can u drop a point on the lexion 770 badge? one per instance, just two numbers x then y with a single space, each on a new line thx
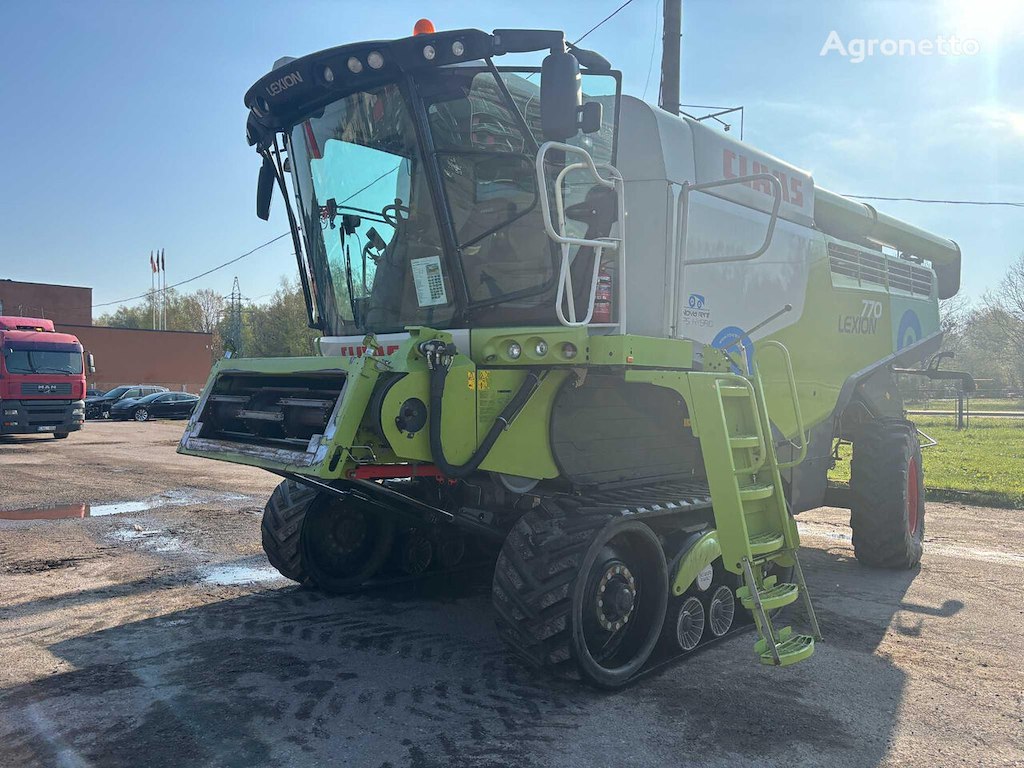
866 323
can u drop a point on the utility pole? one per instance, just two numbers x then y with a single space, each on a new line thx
233 342
672 31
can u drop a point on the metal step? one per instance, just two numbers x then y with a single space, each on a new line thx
745 441
772 598
766 543
791 648
757 492
733 391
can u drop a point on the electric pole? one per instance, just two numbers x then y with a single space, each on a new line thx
233 342
672 31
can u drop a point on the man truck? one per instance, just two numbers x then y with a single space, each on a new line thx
42 378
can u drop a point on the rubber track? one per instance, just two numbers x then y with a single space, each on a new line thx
536 574
534 579
878 481
282 527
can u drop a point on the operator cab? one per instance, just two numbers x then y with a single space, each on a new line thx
413 164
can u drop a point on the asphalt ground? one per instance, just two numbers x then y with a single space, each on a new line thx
152 632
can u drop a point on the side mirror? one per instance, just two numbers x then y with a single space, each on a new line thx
591 116
561 95
265 188
90 362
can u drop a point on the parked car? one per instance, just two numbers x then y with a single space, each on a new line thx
160 405
99 407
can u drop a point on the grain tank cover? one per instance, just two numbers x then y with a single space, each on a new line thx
720 157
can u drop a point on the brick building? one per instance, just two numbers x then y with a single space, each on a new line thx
177 360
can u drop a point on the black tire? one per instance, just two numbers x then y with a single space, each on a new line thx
281 528
544 577
60 435
887 494
344 543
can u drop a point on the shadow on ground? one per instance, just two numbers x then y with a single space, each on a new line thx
415 676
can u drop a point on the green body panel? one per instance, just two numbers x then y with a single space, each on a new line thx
698 557
845 327
524 448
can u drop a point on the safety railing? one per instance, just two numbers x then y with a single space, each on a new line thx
555 229
794 394
683 217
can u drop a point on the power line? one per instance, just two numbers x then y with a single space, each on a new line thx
597 26
196 277
943 202
654 48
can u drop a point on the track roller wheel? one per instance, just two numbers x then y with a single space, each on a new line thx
689 623
344 542
721 610
451 551
581 595
415 553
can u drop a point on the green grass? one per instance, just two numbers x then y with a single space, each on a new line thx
981 465
975 404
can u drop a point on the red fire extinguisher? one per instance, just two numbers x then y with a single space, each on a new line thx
603 295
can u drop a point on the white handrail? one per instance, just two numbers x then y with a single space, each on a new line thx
614 181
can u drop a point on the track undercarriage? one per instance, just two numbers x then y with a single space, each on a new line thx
583 582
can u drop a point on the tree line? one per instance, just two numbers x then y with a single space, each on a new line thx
276 328
987 336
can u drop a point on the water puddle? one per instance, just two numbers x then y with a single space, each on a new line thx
156 540
232 575
55 512
176 498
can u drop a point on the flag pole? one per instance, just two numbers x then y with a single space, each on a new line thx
152 288
163 303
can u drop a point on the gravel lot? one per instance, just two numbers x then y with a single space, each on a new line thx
158 636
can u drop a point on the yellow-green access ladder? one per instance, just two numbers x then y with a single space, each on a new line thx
752 518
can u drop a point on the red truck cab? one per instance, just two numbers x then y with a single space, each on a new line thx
42 378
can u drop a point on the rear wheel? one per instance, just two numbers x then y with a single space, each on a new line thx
887 488
583 594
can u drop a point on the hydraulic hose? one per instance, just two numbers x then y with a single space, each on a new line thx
439 359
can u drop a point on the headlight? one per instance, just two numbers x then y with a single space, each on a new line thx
429 53
355 66
458 48
540 348
569 350
375 60
514 350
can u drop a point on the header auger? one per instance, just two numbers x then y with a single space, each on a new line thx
557 320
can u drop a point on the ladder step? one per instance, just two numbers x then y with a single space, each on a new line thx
763 543
757 492
745 441
734 391
771 598
792 648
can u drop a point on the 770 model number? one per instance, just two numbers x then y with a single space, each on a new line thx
866 322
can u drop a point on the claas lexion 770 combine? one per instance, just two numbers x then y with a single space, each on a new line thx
616 343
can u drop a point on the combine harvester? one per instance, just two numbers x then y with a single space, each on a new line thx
612 341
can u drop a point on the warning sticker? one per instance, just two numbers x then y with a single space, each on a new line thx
426 274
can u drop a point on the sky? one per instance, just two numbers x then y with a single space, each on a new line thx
125 129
